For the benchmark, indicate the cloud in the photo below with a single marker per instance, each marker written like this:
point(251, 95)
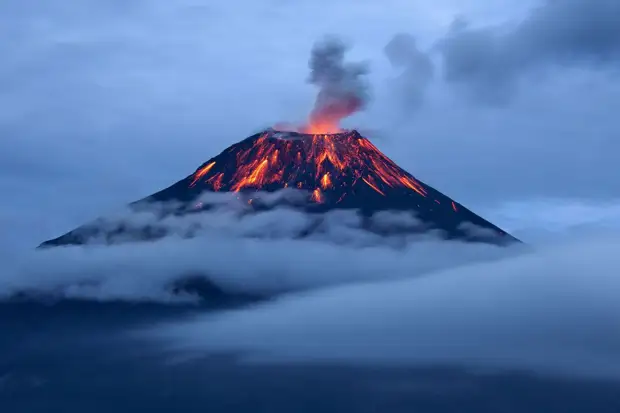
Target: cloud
point(258, 254)
point(104, 104)
point(550, 220)
point(416, 70)
point(489, 61)
point(553, 311)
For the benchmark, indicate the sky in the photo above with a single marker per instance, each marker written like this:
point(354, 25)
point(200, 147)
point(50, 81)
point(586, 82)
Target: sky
point(103, 103)
point(508, 106)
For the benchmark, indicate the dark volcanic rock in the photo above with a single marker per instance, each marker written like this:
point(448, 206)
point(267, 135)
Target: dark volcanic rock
point(342, 171)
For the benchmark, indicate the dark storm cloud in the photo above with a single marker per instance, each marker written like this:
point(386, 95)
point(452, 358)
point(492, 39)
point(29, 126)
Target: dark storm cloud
point(490, 61)
point(415, 66)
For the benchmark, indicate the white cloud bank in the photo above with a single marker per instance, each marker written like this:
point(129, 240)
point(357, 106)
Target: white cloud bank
point(253, 254)
point(555, 311)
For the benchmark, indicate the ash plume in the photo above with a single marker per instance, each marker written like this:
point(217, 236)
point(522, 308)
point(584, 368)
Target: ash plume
point(342, 88)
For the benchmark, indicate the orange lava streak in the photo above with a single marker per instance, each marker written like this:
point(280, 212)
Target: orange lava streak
point(256, 177)
point(326, 152)
point(372, 185)
point(325, 181)
point(391, 177)
point(454, 207)
point(216, 181)
point(317, 196)
point(413, 185)
point(388, 171)
point(202, 172)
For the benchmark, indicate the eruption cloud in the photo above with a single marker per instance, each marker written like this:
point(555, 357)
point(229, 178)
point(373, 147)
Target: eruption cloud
point(342, 88)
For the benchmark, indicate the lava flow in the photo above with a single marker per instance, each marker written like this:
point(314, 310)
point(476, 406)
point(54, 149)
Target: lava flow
point(337, 171)
point(322, 164)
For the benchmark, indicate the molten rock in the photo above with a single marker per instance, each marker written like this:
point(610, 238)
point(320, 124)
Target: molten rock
point(335, 171)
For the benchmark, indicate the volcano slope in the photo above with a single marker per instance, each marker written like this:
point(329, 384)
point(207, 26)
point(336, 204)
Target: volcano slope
point(339, 171)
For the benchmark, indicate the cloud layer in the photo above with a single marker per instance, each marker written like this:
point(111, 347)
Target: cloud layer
point(554, 311)
point(259, 254)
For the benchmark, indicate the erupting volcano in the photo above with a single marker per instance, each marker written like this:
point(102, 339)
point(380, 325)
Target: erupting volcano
point(327, 165)
point(336, 169)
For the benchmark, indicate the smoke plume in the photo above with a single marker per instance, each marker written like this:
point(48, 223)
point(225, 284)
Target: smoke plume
point(342, 88)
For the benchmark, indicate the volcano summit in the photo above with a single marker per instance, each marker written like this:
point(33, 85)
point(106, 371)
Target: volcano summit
point(337, 171)
point(328, 169)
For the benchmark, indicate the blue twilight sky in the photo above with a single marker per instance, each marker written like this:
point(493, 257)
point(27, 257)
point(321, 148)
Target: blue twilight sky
point(103, 102)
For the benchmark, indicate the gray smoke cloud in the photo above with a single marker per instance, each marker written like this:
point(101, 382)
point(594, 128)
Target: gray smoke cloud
point(416, 70)
point(342, 87)
point(489, 62)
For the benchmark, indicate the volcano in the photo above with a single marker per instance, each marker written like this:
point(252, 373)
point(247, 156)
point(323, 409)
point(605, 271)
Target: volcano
point(335, 171)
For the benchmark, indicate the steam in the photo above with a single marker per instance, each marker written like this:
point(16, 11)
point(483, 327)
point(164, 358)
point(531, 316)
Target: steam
point(342, 88)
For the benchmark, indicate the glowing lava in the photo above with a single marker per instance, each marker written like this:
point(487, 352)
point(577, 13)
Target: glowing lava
point(336, 171)
point(321, 128)
point(202, 172)
point(328, 112)
point(323, 164)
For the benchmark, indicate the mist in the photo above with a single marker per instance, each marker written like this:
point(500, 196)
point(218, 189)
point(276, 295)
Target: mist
point(260, 254)
point(553, 311)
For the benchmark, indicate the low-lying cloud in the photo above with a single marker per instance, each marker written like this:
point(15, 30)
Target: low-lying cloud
point(260, 254)
point(552, 311)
